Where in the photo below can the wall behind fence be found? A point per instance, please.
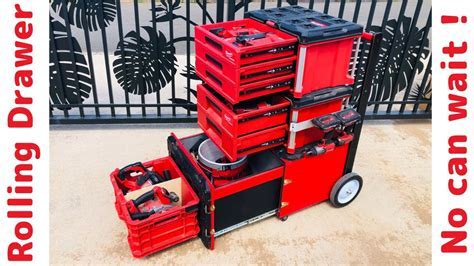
(133, 61)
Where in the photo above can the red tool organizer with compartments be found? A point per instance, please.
(279, 132)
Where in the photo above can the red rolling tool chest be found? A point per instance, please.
(325, 46)
(267, 148)
(244, 128)
(302, 130)
(245, 59)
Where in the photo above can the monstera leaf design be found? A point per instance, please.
(165, 11)
(386, 87)
(69, 71)
(151, 62)
(192, 73)
(89, 14)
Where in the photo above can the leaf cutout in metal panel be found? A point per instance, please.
(151, 61)
(90, 14)
(67, 69)
(192, 72)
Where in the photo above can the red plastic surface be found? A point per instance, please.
(309, 180)
(325, 65)
(212, 106)
(235, 92)
(160, 230)
(312, 134)
(255, 51)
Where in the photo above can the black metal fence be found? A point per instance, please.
(115, 61)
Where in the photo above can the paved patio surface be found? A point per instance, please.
(390, 221)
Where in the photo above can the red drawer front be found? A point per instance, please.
(211, 106)
(246, 74)
(276, 44)
(234, 93)
(161, 230)
(304, 186)
(299, 139)
(235, 147)
(323, 65)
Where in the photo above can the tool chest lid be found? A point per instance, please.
(320, 96)
(308, 25)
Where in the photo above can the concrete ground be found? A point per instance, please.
(390, 221)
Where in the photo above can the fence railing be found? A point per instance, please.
(115, 61)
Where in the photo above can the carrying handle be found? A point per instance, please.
(149, 195)
(130, 168)
(334, 32)
(244, 39)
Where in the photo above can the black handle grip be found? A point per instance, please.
(141, 215)
(125, 170)
(217, 31)
(144, 198)
(167, 175)
(243, 39)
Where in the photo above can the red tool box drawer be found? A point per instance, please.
(244, 42)
(302, 131)
(235, 93)
(164, 229)
(234, 145)
(245, 74)
(309, 180)
(252, 197)
(325, 49)
(244, 118)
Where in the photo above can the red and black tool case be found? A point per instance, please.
(244, 128)
(325, 46)
(244, 59)
(302, 130)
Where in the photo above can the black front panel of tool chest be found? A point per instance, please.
(247, 204)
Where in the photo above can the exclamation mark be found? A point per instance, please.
(453, 19)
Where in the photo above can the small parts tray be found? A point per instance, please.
(245, 42)
(165, 229)
(308, 25)
(244, 128)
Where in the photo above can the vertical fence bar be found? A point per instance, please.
(204, 11)
(262, 4)
(153, 21)
(326, 6)
(246, 5)
(279, 3)
(311, 4)
(91, 61)
(411, 34)
(342, 5)
(106, 56)
(230, 10)
(122, 51)
(355, 18)
(219, 10)
(423, 86)
(188, 54)
(390, 54)
(173, 81)
(72, 54)
(139, 51)
(418, 59)
(55, 58)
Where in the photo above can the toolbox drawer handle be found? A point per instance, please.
(214, 78)
(213, 127)
(214, 106)
(213, 43)
(213, 61)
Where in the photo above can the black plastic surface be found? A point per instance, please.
(348, 116)
(321, 96)
(326, 122)
(247, 204)
(199, 185)
(308, 25)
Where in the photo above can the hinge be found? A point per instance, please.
(287, 181)
(283, 204)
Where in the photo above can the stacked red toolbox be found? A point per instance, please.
(279, 145)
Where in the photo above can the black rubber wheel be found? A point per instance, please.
(346, 190)
(284, 218)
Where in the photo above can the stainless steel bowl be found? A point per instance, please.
(209, 155)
